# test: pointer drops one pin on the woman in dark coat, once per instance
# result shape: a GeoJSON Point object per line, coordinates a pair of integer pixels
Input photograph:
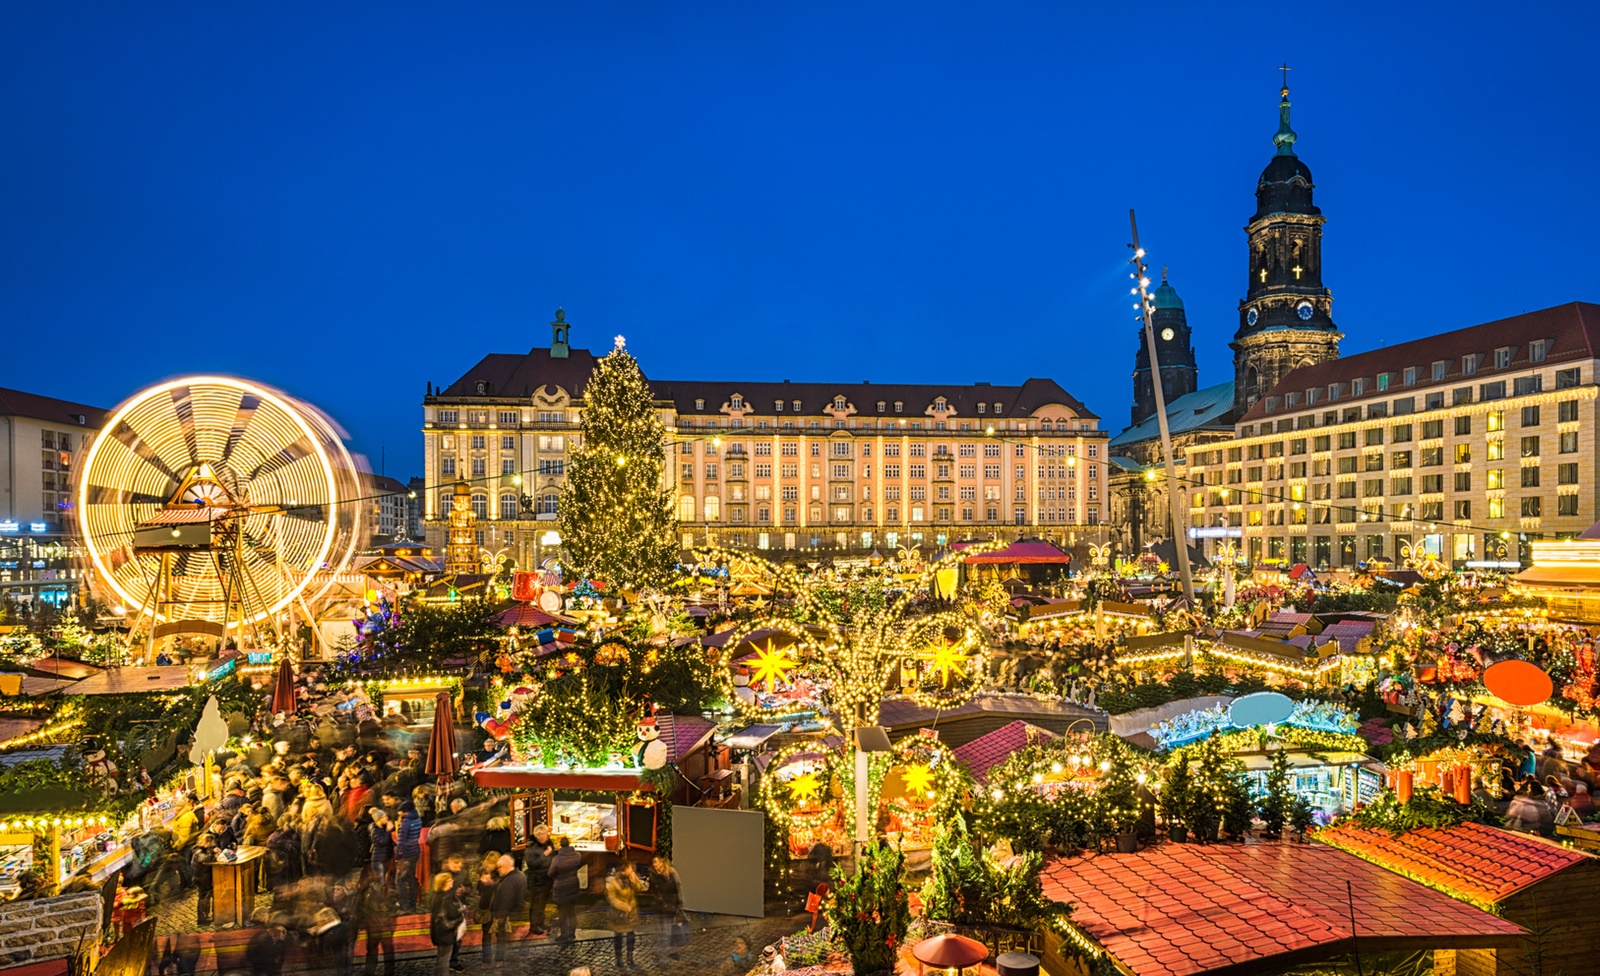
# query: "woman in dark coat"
{"type": "Point", "coordinates": [564, 889]}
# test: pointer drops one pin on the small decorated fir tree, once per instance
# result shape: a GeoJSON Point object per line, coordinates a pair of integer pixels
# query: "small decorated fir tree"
{"type": "Point", "coordinates": [1177, 797]}
{"type": "Point", "coordinates": [870, 911]}
{"type": "Point", "coordinates": [1278, 800]}
{"type": "Point", "coordinates": [615, 511]}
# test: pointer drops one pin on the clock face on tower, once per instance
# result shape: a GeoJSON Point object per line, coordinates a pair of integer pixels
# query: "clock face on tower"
{"type": "Point", "coordinates": [1304, 310]}
{"type": "Point", "coordinates": [1250, 317]}
{"type": "Point", "coordinates": [1167, 334]}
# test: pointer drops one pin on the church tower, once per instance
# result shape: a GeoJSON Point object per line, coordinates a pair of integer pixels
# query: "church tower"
{"type": "Point", "coordinates": [1286, 317]}
{"type": "Point", "coordinates": [1179, 375]}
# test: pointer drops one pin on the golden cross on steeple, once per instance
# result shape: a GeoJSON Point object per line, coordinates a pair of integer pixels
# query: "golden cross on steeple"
{"type": "Point", "coordinates": [1284, 67]}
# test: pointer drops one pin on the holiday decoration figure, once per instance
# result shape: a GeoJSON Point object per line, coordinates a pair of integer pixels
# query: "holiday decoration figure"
{"type": "Point", "coordinates": [102, 772]}
{"type": "Point", "coordinates": [651, 752]}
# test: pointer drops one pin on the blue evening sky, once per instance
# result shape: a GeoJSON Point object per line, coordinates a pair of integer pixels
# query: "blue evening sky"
{"type": "Point", "coordinates": [347, 200]}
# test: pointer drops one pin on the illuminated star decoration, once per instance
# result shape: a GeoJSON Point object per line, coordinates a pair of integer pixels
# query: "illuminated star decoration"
{"type": "Point", "coordinates": [945, 658]}
{"type": "Point", "coordinates": [918, 779]}
{"type": "Point", "coordinates": [771, 666]}
{"type": "Point", "coordinates": [804, 786]}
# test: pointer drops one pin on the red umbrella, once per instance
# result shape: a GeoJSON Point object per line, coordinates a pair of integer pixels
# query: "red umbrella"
{"type": "Point", "coordinates": [283, 691]}
{"type": "Point", "coordinates": [442, 740]}
{"type": "Point", "coordinates": [950, 952]}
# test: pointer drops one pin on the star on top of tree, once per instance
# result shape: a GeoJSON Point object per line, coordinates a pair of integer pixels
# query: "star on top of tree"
{"type": "Point", "coordinates": [618, 343]}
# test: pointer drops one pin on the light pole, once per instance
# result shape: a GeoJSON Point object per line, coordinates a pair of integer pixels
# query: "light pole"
{"type": "Point", "coordinates": [1180, 533]}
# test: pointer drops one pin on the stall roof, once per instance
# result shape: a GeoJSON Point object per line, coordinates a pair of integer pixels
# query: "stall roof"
{"type": "Point", "coordinates": [1183, 909]}
{"type": "Point", "coordinates": [752, 736]}
{"type": "Point", "coordinates": [1034, 552]}
{"type": "Point", "coordinates": [1474, 862]}
{"type": "Point", "coordinates": [988, 751]}
{"type": "Point", "coordinates": [120, 681]}
{"type": "Point", "coordinates": [545, 778]}
{"type": "Point", "coordinates": [906, 712]}
{"type": "Point", "coordinates": [55, 667]}
{"type": "Point", "coordinates": [10, 728]}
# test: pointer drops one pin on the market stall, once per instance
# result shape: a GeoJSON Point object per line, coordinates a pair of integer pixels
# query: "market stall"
{"type": "Point", "coordinates": [609, 815]}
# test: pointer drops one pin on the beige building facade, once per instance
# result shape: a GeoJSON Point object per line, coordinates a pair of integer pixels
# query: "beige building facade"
{"type": "Point", "coordinates": [804, 467]}
{"type": "Point", "coordinates": [1468, 444]}
{"type": "Point", "coordinates": [43, 440]}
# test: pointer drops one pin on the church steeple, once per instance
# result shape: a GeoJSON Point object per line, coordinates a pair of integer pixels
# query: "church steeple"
{"type": "Point", "coordinates": [1179, 374]}
{"type": "Point", "coordinates": [1286, 316]}
{"type": "Point", "coordinates": [559, 348]}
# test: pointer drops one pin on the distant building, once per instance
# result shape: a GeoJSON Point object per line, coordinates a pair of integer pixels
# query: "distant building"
{"type": "Point", "coordinates": [44, 440]}
{"type": "Point", "coordinates": [416, 489]}
{"type": "Point", "coordinates": [841, 467]}
{"type": "Point", "coordinates": [384, 502]}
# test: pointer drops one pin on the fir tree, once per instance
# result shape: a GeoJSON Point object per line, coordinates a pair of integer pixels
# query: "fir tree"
{"type": "Point", "coordinates": [615, 513]}
{"type": "Point", "coordinates": [1177, 798]}
{"type": "Point", "coordinates": [1278, 801]}
{"type": "Point", "coordinates": [869, 911]}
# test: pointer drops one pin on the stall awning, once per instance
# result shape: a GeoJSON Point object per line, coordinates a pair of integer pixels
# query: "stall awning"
{"type": "Point", "coordinates": [120, 681]}
{"type": "Point", "coordinates": [1034, 552]}
{"type": "Point", "coordinates": [546, 778]}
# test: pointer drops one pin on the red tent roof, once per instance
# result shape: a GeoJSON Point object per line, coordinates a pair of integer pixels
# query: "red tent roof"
{"type": "Point", "coordinates": [1475, 862]}
{"type": "Point", "coordinates": [1023, 551]}
{"type": "Point", "coordinates": [987, 751]}
{"type": "Point", "coordinates": [525, 615]}
{"type": "Point", "coordinates": [1182, 909]}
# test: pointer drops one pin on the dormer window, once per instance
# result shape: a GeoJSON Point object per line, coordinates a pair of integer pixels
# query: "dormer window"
{"type": "Point", "coordinates": [1045, 424]}
{"type": "Point", "coordinates": [997, 408]}
{"type": "Point", "coordinates": [899, 406]}
{"type": "Point", "coordinates": [940, 405]}
{"type": "Point", "coordinates": [699, 404]}
{"type": "Point", "coordinates": [482, 388]}
{"type": "Point", "coordinates": [1358, 387]}
{"type": "Point", "coordinates": [1469, 363]}
{"type": "Point", "coordinates": [1333, 391]}
{"type": "Point", "coordinates": [1441, 369]}
{"type": "Point", "coordinates": [777, 406]}
{"type": "Point", "coordinates": [1538, 350]}
{"type": "Point", "coordinates": [1311, 397]}
{"type": "Point", "coordinates": [838, 403]}
{"type": "Point", "coordinates": [796, 406]}
{"type": "Point", "coordinates": [1411, 376]}
{"type": "Point", "coordinates": [981, 407]}
{"type": "Point", "coordinates": [736, 402]}
{"type": "Point", "coordinates": [881, 405]}
{"type": "Point", "coordinates": [1502, 357]}
{"type": "Point", "coordinates": [1293, 400]}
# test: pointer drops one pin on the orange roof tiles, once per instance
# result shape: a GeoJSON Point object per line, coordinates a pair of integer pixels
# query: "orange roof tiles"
{"type": "Point", "coordinates": [1183, 909]}
{"type": "Point", "coordinates": [987, 751]}
{"type": "Point", "coordinates": [1474, 862]}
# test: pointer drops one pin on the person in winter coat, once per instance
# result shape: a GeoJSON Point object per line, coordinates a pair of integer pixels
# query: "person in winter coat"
{"type": "Point", "coordinates": [185, 826]}
{"type": "Point", "coordinates": [667, 889]}
{"type": "Point", "coordinates": [375, 916]}
{"type": "Point", "coordinates": [407, 849]}
{"type": "Point", "coordinates": [283, 858]}
{"type": "Point", "coordinates": [266, 951]}
{"type": "Point", "coordinates": [461, 883]}
{"type": "Point", "coordinates": [496, 836]}
{"type": "Point", "coordinates": [510, 892]}
{"type": "Point", "coordinates": [205, 855]}
{"type": "Point", "coordinates": [563, 872]}
{"type": "Point", "coordinates": [445, 920]}
{"type": "Point", "coordinates": [488, 876]}
{"type": "Point", "coordinates": [622, 894]}
{"type": "Point", "coordinates": [537, 858]}
{"type": "Point", "coordinates": [381, 842]}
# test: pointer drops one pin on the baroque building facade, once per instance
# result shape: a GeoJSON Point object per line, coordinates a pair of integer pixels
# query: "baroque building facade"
{"type": "Point", "coordinates": [843, 468]}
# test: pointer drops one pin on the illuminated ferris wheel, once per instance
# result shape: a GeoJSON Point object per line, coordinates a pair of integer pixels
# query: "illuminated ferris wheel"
{"type": "Point", "coordinates": [214, 505]}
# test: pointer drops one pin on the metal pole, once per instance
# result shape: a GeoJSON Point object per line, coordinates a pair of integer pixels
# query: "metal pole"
{"type": "Point", "coordinates": [1174, 510]}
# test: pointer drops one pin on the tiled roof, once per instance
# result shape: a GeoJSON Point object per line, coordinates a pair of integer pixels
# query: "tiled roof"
{"type": "Point", "coordinates": [1013, 401]}
{"type": "Point", "coordinates": [1284, 616]}
{"type": "Point", "coordinates": [15, 403]}
{"type": "Point", "coordinates": [1181, 909]}
{"type": "Point", "coordinates": [682, 733]}
{"type": "Point", "coordinates": [899, 712]}
{"type": "Point", "coordinates": [1348, 633]}
{"type": "Point", "coordinates": [1476, 863]}
{"type": "Point", "coordinates": [1572, 331]}
{"type": "Point", "coordinates": [987, 751]}
{"type": "Point", "coordinates": [1202, 408]}
{"type": "Point", "coordinates": [382, 484]}
{"type": "Point", "coordinates": [1020, 551]}
{"type": "Point", "coordinates": [522, 374]}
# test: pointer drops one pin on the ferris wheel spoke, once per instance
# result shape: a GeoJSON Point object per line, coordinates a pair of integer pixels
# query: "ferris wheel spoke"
{"type": "Point", "coordinates": [249, 403]}
{"type": "Point", "coordinates": [107, 495]}
{"type": "Point", "coordinates": [283, 458]}
{"type": "Point", "coordinates": [136, 446]}
{"type": "Point", "coordinates": [183, 409]}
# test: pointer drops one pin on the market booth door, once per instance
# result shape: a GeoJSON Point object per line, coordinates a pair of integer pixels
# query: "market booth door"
{"type": "Point", "coordinates": [720, 858]}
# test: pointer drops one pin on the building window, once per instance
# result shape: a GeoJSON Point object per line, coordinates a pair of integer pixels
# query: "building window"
{"type": "Point", "coordinates": [448, 416]}
{"type": "Point", "coordinates": [713, 508]}
{"type": "Point", "coordinates": [1566, 504]}
{"type": "Point", "coordinates": [480, 506]}
{"type": "Point", "coordinates": [1530, 447]}
{"type": "Point", "coordinates": [1569, 442]}
{"type": "Point", "coordinates": [508, 466]}
{"type": "Point", "coordinates": [1566, 474]}
{"type": "Point", "coordinates": [479, 466]}
{"type": "Point", "coordinates": [1531, 507]}
{"type": "Point", "coordinates": [1568, 378]}
{"type": "Point", "coordinates": [448, 466]}
{"type": "Point", "coordinates": [547, 503]}
{"type": "Point", "coordinates": [508, 506]}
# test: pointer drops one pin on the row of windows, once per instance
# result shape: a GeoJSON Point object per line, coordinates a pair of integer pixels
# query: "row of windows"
{"type": "Point", "coordinates": [503, 417]}
{"type": "Point", "coordinates": [1437, 372]}
{"type": "Point", "coordinates": [1494, 390]}
{"type": "Point", "coordinates": [508, 442]}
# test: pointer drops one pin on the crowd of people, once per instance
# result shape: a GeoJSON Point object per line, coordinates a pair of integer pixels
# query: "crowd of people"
{"type": "Point", "coordinates": [357, 836]}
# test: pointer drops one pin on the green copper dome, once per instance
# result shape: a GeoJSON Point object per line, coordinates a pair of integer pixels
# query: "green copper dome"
{"type": "Point", "coordinates": [1166, 296]}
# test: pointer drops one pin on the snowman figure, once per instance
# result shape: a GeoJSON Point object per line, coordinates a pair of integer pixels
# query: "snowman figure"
{"type": "Point", "coordinates": [102, 772]}
{"type": "Point", "coordinates": [651, 752]}
{"type": "Point", "coordinates": [741, 687]}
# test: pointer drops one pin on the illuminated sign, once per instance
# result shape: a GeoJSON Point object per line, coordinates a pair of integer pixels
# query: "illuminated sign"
{"type": "Point", "coordinates": [38, 527]}
{"type": "Point", "coordinates": [260, 657]}
{"type": "Point", "coordinates": [1217, 532]}
{"type": "Point", "coordinates": [8, 525]}
{"type": "Point", "coordinates": [1493, 564]}
{"type": "Point", "coordinates": [224, 669]}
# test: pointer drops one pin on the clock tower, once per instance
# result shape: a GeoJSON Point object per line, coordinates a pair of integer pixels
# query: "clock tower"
{"type": "Point", "coordinates": [1179, 375]}
{"type": "Point", "coordinates": [1286, 316]}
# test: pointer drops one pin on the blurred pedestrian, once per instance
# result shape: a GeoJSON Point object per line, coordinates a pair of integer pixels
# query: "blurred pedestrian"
{"type": "Point", "coordinates": [622, 895]}
{"type": "Point", "coordinates": [407, 849]}
{"type": "Point", "coordinates": [510, 892]}
{"type": "Point", "coordinates": [488, 876]}
{"type": "Point", "coordinates": [375, 916]}
{"type": "Point", "coordinates": [667, 889]}
{"type": "Point", "coordinates": [564, 889]}
{"type": "Point", "coordinates": [537, 857]}
{"type": "Point", "coordinates": [447, 922]}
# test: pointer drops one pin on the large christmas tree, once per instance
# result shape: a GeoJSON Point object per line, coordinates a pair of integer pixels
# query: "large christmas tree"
{"type": "Point", "coordinates": [616, 518]}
